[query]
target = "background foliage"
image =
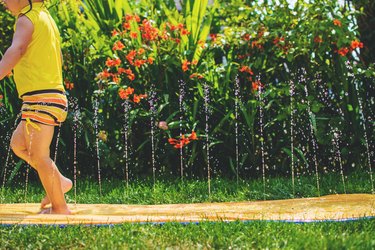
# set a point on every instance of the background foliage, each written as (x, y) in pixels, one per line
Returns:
(200, 53)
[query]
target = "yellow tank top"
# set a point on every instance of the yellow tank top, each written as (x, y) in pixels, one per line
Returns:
(40, 67)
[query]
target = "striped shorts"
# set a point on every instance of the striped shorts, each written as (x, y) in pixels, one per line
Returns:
(49, 107)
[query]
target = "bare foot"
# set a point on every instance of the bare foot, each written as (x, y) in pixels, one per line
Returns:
(55, 211)
(66, 185)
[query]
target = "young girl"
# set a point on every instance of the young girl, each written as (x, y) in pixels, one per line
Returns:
(36, 60)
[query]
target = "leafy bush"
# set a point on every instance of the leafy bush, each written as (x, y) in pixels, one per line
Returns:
(229, 75)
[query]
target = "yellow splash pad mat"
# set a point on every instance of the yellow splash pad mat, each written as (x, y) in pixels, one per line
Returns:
(330, 207)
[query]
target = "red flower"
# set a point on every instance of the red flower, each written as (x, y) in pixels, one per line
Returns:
(213, 37)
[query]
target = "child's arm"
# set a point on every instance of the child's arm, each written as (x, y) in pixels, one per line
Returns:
(21, 40)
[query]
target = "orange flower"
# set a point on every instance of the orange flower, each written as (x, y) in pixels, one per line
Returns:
(130, 56)
(128, 17)
(356, 44)
(114, 32)
(172, 141)
(129, 90)
(141, 51)
(196, 75)
(124, 93)
(113, 63)
(104, 74)
(121, 70)
(137, 98)
(180, 26)
(68, 85)
(133, 34)
(318, 39)
(126, 25)
(137, 18)
(150, 60)
(118, 45)
(172, 27)
(256, 44)
(256, 85)
(185, 65)
(193, 135)
(103, 135)
(131, 77)
(183, 141)
(1, 97)
(337, 22)
(115, 78)
(246, 37)
(148, 32)
(139, 63)
(343, 51)
(247, 70)
(184, 32)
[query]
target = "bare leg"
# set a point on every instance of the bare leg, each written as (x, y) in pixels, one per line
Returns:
(37, 147)
(18, 144)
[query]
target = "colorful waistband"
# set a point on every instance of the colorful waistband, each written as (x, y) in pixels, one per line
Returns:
(45, 106)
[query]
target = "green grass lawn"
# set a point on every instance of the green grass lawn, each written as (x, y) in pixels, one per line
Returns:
(256, 234)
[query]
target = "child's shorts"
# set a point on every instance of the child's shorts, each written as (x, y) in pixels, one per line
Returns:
(48, 107)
